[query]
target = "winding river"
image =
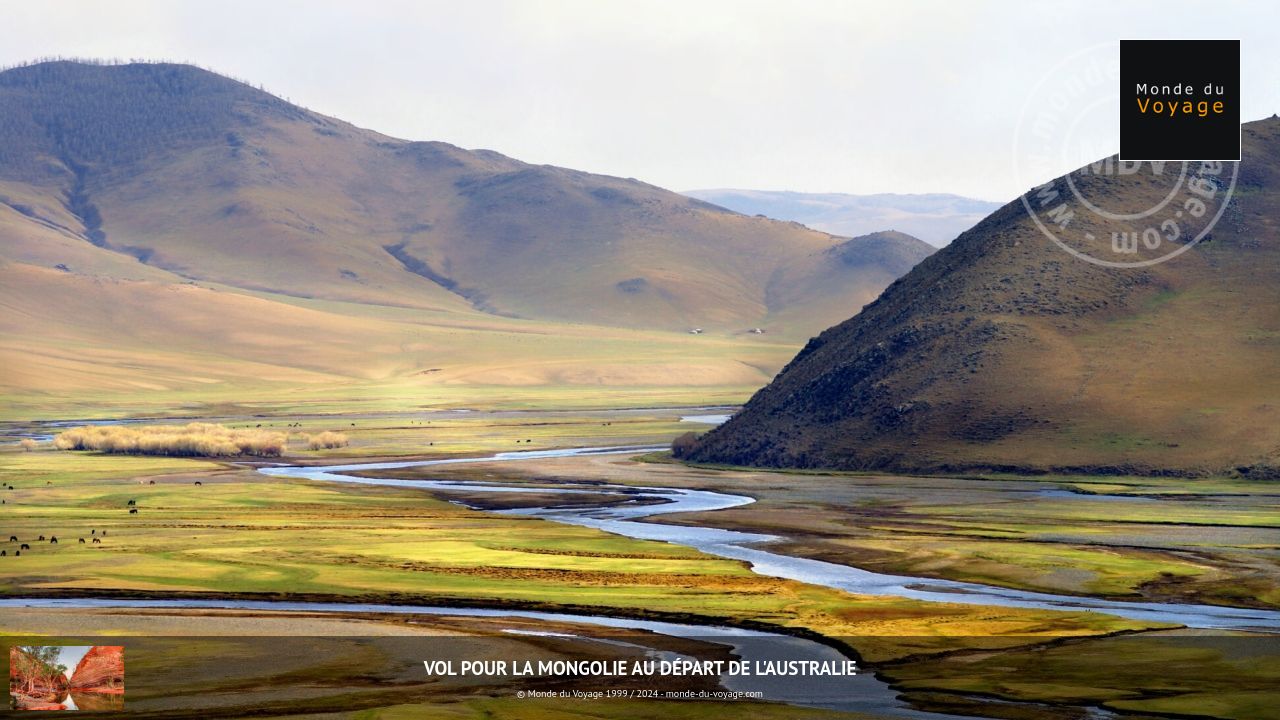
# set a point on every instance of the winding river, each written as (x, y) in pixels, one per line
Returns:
(863, 692)
(625, 519)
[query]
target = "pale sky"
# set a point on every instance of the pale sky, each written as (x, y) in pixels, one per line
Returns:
(856, 97)
(70, 656)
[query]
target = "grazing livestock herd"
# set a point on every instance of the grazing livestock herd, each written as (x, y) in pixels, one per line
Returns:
(132, 505)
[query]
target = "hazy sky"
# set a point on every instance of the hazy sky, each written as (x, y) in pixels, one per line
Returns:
(70, 656)
(812, 96)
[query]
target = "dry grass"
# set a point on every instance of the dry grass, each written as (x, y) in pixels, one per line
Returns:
(327, 441)
(191, 440)
(309, 350)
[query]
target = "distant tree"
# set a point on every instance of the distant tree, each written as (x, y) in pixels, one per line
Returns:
(27, 444)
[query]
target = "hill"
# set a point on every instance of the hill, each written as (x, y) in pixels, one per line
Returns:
(1002, 351)
(936, 218)
(205, 178)
(166, 231)
(854, 271)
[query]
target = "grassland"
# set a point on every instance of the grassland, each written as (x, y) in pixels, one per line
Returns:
(1215, 540)
(190, 440)
(240, 533)
(1180, 675)
(67, 356)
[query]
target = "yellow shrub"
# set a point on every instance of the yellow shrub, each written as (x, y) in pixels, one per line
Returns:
(327, 440)
(191, 440)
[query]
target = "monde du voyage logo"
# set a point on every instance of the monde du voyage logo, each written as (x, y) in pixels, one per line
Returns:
(1179, 115)
(1179, 100)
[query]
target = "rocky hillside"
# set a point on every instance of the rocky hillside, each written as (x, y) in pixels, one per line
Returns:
(101, 670)
(1003, 351)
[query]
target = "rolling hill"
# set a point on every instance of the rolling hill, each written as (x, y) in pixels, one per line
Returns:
(936, 218)
(1003, 352)
(209, 179)
(163, 227)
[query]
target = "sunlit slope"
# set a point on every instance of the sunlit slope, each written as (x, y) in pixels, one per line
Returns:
(63, 334)
(177, 169)
(1002, 350)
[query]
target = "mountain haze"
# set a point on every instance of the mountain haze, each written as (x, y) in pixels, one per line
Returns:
(936, 218)
(1002, 351)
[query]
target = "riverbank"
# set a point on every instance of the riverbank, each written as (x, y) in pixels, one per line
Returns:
(1213, 542)
(255, 537)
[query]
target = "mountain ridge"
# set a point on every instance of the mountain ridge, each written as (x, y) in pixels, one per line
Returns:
(212, 180)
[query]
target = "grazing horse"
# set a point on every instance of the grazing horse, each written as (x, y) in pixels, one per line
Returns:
(81, 541)
(24, 546)
(93, 532)
(133, 511)
(96, 541)
(41, 538)
(133, 502)
(53, 540)
(199, 483)
(151, 482)
(13, 538)
(3, 553)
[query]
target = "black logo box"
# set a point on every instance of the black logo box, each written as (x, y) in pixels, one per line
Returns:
(1179, 65)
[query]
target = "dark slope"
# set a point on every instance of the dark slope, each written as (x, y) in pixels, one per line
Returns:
(1004, 351)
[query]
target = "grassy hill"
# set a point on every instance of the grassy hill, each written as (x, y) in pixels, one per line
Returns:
(210, 179)
(1002, 351)
(167, 229)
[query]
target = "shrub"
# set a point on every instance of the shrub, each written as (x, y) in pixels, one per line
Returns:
(326, 441)
(191, 440)
(681, 446)
(27, 444)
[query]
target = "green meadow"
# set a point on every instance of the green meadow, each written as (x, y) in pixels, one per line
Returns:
(246, 535)
(240, 533)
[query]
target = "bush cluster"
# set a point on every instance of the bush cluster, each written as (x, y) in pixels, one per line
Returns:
(191, 440)
(327, 441)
